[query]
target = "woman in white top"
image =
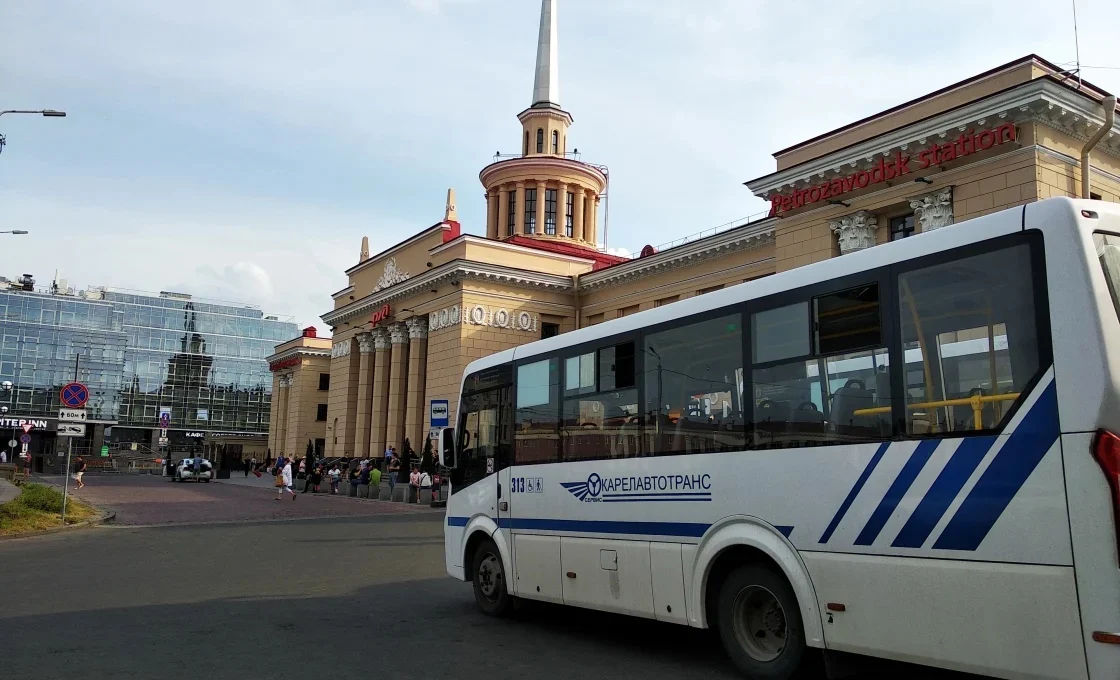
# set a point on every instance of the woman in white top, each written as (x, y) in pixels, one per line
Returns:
(286, 481)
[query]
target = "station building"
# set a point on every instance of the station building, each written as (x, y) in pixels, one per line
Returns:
(414, 315)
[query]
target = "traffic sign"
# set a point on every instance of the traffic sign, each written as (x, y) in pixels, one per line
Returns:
(163, 433)
(104, 451)
(27, 427)
(25, 439)
(71, 429)
(74, 395)
(164, 420)
(72, 415)
(12, 443)
(163, 441)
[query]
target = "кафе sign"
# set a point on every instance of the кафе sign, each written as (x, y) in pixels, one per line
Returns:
(887, 169)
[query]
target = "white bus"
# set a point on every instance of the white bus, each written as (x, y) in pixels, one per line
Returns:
(906, 452)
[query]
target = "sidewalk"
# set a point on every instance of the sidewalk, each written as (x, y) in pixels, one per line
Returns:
(8, 491)
(265, 481)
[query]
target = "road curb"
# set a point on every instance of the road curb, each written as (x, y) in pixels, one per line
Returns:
(105, 517)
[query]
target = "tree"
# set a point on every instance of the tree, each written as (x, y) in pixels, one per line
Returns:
(427, 464)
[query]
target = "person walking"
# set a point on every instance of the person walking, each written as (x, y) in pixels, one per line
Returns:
(394, 469)
(284, 479)
(388, 457)
(425, 483)
(314, 479)
(336, 478)
(245, 465)
(79, 472)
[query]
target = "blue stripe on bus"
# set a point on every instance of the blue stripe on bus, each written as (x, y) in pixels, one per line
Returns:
(944, 489)
(690, 529)
(854, 492)
(786, 531)
(897, 490)
(1009, 470)
(457, 521)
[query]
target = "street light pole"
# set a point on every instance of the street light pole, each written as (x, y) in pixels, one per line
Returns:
(69, 450)
(14, 231)
(46, 113)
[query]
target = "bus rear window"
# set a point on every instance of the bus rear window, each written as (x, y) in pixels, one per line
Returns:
(1108, 252)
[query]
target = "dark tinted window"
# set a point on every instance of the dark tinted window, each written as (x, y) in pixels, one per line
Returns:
(321, 412)
(324, 381)
(694, 388)
(848, 320)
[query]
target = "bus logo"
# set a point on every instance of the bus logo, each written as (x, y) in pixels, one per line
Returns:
(644, 489)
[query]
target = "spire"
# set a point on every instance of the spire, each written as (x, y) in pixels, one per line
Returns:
(450, 214)
(546, 83)
(364, 254)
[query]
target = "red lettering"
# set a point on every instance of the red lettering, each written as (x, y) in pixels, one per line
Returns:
(987, 139)
(849, 183)
(947, 153)
(879, 172)
(901, 163)
(787, 202)
(1005, 132)
(815, 194)
(837, 187)
(862, 178)
(775, 204)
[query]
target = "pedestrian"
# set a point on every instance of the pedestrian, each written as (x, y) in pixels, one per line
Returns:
(79, 472)
(414, 483)
(394, 469)
(314, 478)
(374, 478)
(245, 464)
(3, 457)
(284, 479)
(388, 456)
(336, 478)
(363, 476)
(425, 483)
(303, 467)
(253, 463)
(436, 485)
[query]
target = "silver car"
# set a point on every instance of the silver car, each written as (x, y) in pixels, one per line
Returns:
(184, 471)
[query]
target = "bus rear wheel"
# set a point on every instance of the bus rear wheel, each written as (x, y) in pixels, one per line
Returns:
(489, 577)
(760, 623)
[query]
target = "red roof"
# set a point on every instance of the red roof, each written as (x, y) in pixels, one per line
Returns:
(601, 260)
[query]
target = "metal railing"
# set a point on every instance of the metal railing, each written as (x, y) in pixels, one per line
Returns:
(574, 155)
(976, 401)
(728, 226)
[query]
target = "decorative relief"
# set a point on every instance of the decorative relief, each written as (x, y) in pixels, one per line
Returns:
(480, 315)
(391, 275)
(417, 328)
(934, 210)
(380, 338)
(365, 343)
(854, 232)
(340, 349)
(398, 334)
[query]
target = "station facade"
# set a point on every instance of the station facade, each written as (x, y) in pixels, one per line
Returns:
(414, 315)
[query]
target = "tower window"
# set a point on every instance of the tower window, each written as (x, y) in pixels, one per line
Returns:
(530, 211)
(525, 149)
(550, 211)
(902, 226)
(511, 212)
(569, 213)
(540, 140)
(555, 142)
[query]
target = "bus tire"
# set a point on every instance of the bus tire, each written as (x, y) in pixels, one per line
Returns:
(760, 623)
(489, 577)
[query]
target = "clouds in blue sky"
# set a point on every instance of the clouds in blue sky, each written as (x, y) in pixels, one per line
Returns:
(240, 150)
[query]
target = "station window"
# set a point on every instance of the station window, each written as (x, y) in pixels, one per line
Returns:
(902, 226)
(550, 211)
(709, 289)
(530, 211)
(540, 140)
(525, 149)
(511, 211)
(324, 381)
(968, 328)
(549, 330)
(569, 214)
(555, 142)
(321, 413)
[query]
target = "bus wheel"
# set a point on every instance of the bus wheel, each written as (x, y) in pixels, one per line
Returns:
(760, 623)
(489, 577)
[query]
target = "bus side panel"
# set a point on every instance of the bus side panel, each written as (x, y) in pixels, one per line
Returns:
(1094, 552)
(1010, 620)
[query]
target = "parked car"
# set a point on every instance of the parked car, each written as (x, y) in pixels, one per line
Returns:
(184, 471)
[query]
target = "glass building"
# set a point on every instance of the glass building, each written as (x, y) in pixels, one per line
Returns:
(141, 355)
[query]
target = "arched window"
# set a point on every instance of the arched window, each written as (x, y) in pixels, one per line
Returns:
(525, 149)
(555, 142)
(540, 140)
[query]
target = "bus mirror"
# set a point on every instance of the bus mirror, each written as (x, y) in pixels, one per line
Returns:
(447, 447)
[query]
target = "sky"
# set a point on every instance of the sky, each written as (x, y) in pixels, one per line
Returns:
(240, 150)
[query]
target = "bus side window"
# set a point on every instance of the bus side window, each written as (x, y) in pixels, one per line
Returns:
(968, 329)
(694, 388)
(600, 410)
(536, 439)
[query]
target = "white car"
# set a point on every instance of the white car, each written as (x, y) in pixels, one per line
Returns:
(184, 471)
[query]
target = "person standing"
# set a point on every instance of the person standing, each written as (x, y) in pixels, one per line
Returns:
(284, 480)
(425, 483)
(245, 464)
(394, 469)
(336, 478)
(79, 472)
(3, 457)
(414, 483)
(388, 457)
(436, 482)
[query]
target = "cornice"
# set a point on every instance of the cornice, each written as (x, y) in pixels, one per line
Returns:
(344, 291)
(544, 163)
(1023, 103)
(735, 240)
(512, 247)
(298, 351)
(456, 270)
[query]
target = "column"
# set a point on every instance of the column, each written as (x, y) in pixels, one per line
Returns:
(854, 232)
(365, 393)
(398, 387)
(595, 221)
(577, 230)
(274, 415)
(503, 211)
(281, 406)
(292, 404)
(562, 210)
(379, 405)
(491, 214)
(519, 210)
(934, 210)
(417, 374)
(540, 207)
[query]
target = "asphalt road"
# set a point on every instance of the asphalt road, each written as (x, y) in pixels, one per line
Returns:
(337, 597)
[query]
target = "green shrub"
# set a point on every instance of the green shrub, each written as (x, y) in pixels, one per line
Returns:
(41, 497)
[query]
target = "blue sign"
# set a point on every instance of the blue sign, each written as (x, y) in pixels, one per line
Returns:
(25, 439)
(439, 413)
(74, 395)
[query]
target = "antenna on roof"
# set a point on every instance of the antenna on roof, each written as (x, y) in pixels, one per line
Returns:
(1076, 45)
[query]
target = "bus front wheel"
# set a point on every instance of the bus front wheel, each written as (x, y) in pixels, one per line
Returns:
(489, 576)
(760, 623)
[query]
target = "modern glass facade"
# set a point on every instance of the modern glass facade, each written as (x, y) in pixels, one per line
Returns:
(139, 354)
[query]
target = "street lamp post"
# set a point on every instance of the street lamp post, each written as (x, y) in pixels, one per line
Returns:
(46, 113)
(14, 231)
